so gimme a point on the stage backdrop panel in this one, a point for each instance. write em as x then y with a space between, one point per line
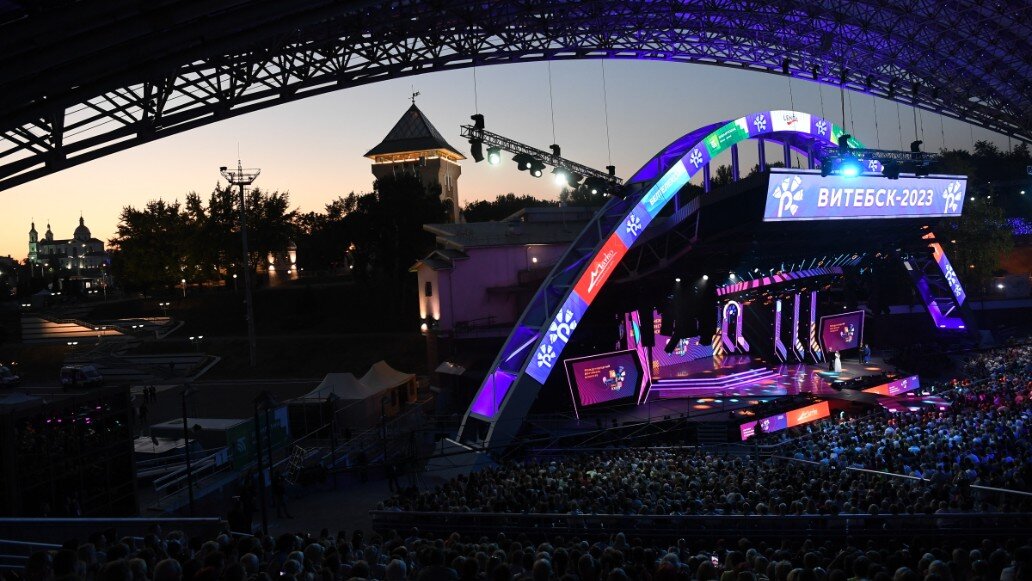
842 332
604 378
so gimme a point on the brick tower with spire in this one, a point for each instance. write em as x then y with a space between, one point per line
414 146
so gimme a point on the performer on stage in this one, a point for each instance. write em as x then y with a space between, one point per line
865 354
838 363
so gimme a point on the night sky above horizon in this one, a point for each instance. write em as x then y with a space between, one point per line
313 148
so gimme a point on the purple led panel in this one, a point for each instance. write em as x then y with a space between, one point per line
795 194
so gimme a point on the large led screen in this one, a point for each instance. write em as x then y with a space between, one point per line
604 378
842 332
805 195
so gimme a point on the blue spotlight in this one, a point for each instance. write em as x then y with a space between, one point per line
850 167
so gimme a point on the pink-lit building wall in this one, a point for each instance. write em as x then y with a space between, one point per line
488 287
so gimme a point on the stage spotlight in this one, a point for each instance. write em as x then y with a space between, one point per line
850 167
537 167
826 167
678 280
573 178
595 185
890 169
478 121
494 155
476 149
705 277
560 176
523 161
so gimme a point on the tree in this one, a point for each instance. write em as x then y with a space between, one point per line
976 241
149 248
580 196
502 207
165 242
722 177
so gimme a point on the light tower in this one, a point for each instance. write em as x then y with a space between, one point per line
245 177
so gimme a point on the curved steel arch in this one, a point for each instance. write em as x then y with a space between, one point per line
533 348
80 80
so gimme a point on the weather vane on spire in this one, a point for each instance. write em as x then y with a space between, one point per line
415 94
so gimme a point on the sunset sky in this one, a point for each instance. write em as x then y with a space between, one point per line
313 148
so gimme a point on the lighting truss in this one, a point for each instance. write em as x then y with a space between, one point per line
827 151
490 140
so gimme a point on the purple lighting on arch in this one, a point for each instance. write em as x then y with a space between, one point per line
492 393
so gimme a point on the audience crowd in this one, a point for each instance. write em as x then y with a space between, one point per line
300 557
980 439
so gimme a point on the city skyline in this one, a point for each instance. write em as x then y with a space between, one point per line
313 148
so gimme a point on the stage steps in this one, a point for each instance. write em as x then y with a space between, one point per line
685 387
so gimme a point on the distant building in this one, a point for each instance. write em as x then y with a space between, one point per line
82 257
415 147
81 252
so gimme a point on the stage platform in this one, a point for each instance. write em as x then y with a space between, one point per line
722 389
747 376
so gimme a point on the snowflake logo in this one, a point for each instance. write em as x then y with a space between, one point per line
787 194
952 196
760 122
872 165
822 127
633 225
545 356
562 327
695 158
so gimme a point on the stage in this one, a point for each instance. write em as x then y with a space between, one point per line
739 388
748 376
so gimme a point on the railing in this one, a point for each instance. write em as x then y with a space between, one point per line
710 527
977 487
203 471
26 535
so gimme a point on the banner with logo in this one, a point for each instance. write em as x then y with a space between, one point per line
604 378
896 387
948 273
842 332
776 423
805 195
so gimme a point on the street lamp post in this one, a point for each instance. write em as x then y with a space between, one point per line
241 177
188 390
261 472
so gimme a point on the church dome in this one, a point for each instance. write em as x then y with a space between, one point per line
82 233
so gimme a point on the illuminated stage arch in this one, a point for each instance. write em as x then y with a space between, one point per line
534 347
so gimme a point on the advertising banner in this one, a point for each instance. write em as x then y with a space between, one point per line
948 273
240 438
841 332
896 387
776 423
805 195
810 413
604 378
